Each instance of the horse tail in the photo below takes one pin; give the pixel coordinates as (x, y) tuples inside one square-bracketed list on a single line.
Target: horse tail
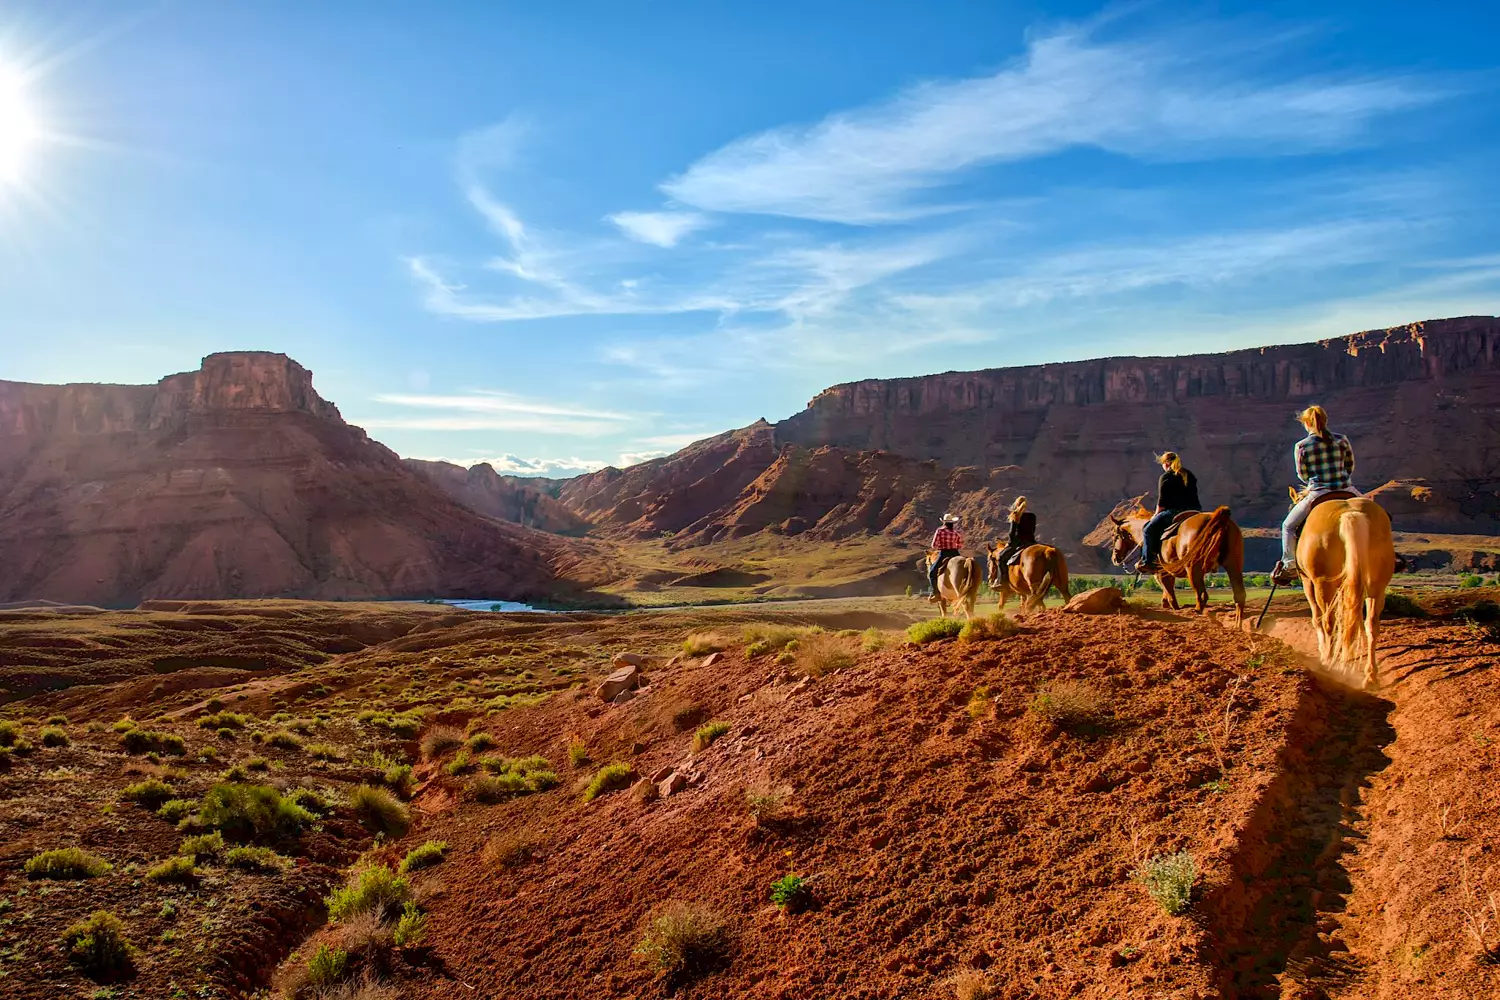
[(971, 577), (1354, 532), (1208, 545), (1060, 573)]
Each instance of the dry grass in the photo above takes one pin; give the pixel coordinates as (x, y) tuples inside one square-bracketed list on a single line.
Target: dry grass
[(609, 778), (683, 938), (1168, 879), (707, 734), (1069, 704), (824, 653), (439, 740), (511, 849), (972, 984), (379, 810), (989, 627), (703, 643), (981, 703), (767, 804)]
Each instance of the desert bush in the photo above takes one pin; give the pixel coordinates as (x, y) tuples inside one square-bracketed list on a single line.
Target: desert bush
[(98, 946), (995, 626), (460, 763), (1168, 879), (1481, 612), (609, 778), (1069, 704), (425, 856), (933, 629), (688, 716), (439, 740), (703, 643), (973, 984), (177, 810), (791, 893), (873, 640), (149, 794), (980, 703), (683, 938), (411, 928), (398, 778), (53, 736), (283, 740), (67, 863), (578, 753), (379, 810), (256, 859), (480, 742), (314, 801), (150, 741), (763, 639), (511, 776), (406, 725), (203, 845), (245, 812), (10, 732), (765, 803), (1471, 580), (374, 890), (224, 720), (324, 751), (1401, 606), (178, 869), (256, 764), (124, 725), (707, 734), (824, 653), (327, 967), (511, 849)]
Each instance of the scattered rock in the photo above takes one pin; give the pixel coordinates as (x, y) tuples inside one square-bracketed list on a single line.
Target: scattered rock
[(638, 660), (622, 698), (676, 659), (672, 784), (637, 748), (645, 790), (711, 659), (1099, 601), (661, 775), (626, 678)]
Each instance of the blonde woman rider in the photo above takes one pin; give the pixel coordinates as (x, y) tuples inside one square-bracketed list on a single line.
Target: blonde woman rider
[(1176, 492), (1022, 532), (1325, 463)]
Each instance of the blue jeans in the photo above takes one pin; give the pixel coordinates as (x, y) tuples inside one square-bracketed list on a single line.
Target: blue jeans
[(1153, 532), (1296, 517)]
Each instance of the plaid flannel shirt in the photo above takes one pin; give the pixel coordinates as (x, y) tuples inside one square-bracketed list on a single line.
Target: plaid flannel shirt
[(947, 538), (1325, 463)]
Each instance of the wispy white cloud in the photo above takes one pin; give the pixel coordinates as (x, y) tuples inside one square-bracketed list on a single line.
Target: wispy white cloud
[(1188, 96), (515, 465), (489, 411), (663, 229)]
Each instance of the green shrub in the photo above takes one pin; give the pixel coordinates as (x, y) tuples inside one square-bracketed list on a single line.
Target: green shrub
[(1069, 704), (150, 793), (480, 742), (411, 928), (707, 733), (379, 810), (10, 732), (609, 778), (124, 725), (224, 720), (256, 859), (933, 629), (326, 967), (460, 763), (177, 810), (439, 740), (683, 938), (987, 627), (1168, 879), (149, 741), (98, 946), (53, 736), (256, 764), (204, 845), (283, 740), (1401, 606), (398, 778), (578, 753), (873, 640), (791, 893), (178, 869), (312, 800), (246, 812), (492, 788), (425, 856), (324, 751), (703, 643), (763, 639), (511, 776), (67, 863), (1471, 580), (375, 890)]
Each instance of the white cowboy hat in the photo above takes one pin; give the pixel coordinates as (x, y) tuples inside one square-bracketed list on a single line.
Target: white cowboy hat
[(950, 518)]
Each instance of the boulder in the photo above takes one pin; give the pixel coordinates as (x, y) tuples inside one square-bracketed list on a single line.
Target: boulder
[(672, 783), (661, 775), (1099, 601), (627, 678), (711, 659), (638, 660)]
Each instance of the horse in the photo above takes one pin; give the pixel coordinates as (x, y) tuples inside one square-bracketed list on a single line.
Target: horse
[(958, 583), (1347, 557), (1203, 543), (1039, 569)]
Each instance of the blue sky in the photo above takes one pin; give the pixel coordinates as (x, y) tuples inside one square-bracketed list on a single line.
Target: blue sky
[(559, 236)]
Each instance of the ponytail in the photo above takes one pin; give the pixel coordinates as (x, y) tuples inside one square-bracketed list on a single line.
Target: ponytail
[(1315, 419), (1017, 508), (1174, 464)]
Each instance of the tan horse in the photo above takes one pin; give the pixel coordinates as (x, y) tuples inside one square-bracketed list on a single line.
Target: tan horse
[(958, 583), (1347, 557), (1202, 544), (1040, 568)]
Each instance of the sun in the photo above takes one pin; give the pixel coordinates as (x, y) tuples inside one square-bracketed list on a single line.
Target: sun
[(19, 129)]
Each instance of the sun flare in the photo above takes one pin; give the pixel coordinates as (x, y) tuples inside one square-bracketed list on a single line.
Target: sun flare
[(18, 127)]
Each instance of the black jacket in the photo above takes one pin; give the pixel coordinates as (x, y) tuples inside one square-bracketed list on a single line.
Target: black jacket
[(1023, 530), (1173, 494)]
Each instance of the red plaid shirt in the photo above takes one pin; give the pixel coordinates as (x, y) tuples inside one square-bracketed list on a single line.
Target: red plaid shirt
[(947, 538)]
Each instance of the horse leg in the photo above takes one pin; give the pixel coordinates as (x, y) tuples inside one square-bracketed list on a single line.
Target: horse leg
[(1328, 606), (1200, 589), (1234, 565), (1373, 607), (1168, 586)]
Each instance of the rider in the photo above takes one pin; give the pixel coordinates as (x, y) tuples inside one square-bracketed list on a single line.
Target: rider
[(1325, 462), (1176, 493), (1022, 532), (947, 540)]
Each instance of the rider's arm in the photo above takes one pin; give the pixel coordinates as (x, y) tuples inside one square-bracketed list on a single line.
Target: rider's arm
[(1158, 495), (1348, 450), (1302, 471)]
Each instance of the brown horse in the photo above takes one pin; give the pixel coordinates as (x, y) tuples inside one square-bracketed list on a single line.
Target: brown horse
[(958, 582), (1203, 543), (1346, 556), (1039, 569)]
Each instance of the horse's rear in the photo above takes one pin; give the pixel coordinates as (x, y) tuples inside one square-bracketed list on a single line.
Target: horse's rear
[(1039, 569), (958, 584), (1347, 557), (1206, 542)]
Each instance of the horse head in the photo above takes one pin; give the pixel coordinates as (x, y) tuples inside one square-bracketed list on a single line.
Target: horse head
[(1124, 542), (993, 561)]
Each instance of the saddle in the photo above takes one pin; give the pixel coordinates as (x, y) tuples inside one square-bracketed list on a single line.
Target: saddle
[(1176, 524), (1335, 495)]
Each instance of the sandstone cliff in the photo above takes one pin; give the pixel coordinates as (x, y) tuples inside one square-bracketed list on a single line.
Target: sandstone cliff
[(236, 480), (506, 498), (1420, 402)]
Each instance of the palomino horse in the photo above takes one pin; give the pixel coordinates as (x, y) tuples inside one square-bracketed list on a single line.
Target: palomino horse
[(1346, 556), (958, 583), (1039, 569), (1203, 543)]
